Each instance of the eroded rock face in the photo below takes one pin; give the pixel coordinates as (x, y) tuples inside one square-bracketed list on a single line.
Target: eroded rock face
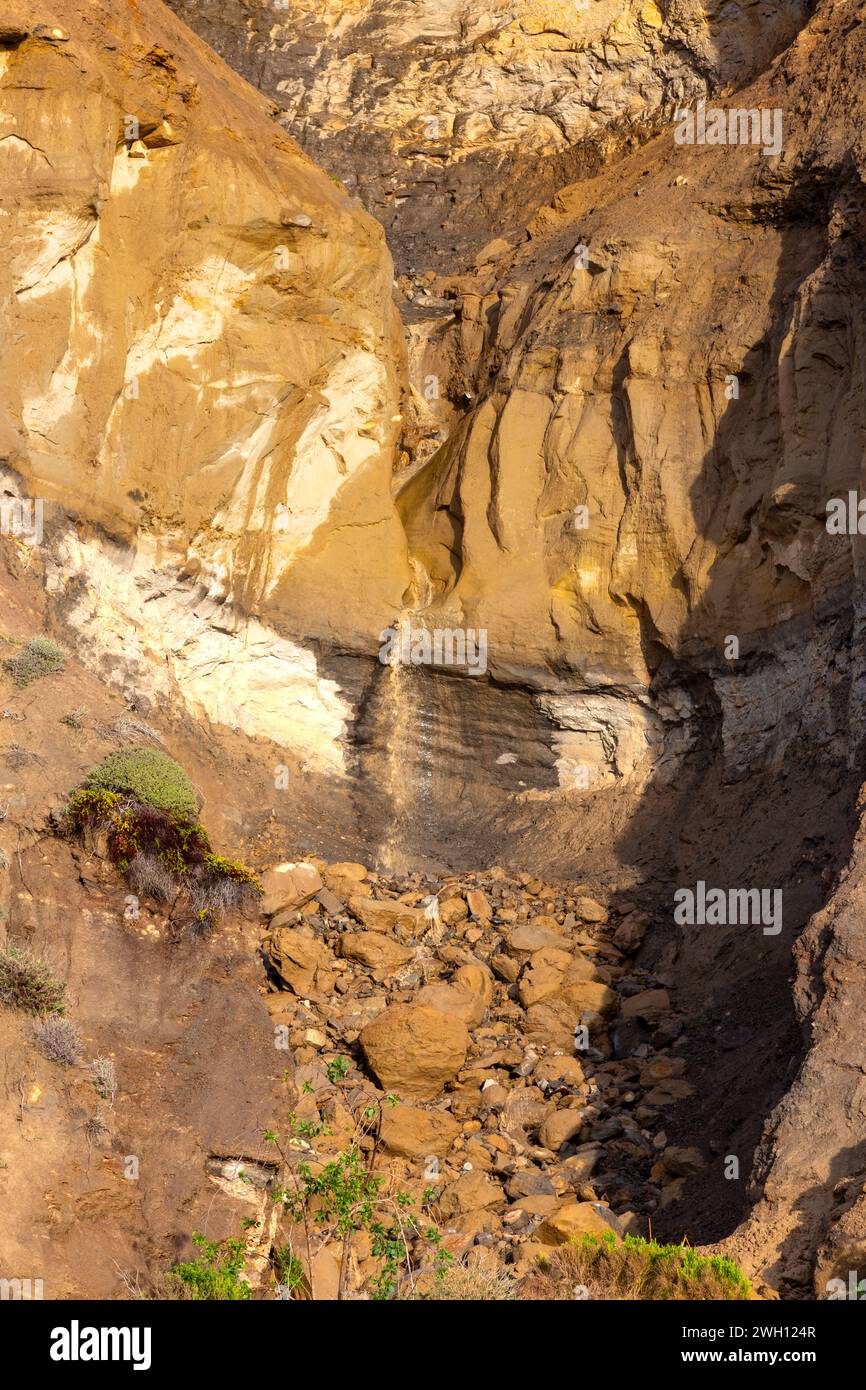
[(203, 370), (200, 358), (452, 119), (662, 420), (262, 331)]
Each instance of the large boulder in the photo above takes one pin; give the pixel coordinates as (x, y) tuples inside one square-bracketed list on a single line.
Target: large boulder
[(379, 953), (472, 1191), (576, 1219), (415, 1050)]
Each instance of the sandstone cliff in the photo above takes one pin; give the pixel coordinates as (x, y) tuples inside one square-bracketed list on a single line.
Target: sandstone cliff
[(646, 362), (452, 120), (200, 359)]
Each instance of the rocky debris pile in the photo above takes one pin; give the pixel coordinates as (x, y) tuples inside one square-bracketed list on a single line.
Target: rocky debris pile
[(519, 1059)]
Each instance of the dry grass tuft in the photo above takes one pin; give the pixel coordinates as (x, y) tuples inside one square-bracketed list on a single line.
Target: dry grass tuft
[(634, 1268), (58, 1039)]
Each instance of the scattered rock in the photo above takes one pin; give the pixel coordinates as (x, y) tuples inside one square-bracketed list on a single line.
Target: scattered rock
[(383, 915), (577, 1219), (379, 953), (414, 1133), (588, 910), (302, 960), (473, 1192)]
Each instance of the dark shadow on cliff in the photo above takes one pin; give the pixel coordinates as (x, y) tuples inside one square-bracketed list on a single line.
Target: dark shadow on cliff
[(818, 1207), (767, 800)]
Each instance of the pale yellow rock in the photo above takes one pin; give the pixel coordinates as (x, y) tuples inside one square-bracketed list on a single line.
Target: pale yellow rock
[(213, 387)]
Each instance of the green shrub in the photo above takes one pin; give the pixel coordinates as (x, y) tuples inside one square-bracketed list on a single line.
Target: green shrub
[(37, 658), (634, 1268), (28, 983), (215, 1274), (145, 802), (149, 777)]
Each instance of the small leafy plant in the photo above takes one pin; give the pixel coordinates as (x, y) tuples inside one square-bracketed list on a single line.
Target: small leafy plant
[(337, 1200), (337, 1069), (216, 1273)]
